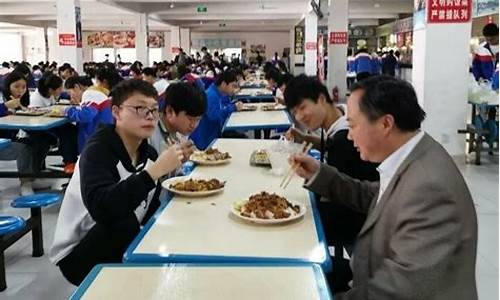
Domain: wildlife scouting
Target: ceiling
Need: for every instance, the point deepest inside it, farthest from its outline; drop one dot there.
(220, 15)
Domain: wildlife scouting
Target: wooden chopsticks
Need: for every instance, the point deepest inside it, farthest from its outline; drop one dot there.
(305, 147)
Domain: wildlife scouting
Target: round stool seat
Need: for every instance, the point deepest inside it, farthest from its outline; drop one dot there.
(36, 200)
(10, 224)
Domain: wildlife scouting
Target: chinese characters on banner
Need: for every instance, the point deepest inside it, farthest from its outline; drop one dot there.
(311, 46)
(449, 11)
(67, 39)
(299, 40)
(338, 38)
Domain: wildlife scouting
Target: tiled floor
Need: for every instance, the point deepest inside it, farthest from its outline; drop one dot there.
(36, 278)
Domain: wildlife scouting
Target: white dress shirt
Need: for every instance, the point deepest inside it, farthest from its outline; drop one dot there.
(390, 165)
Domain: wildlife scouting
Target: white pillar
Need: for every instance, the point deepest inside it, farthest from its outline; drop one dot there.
(311, 43)
(69, 33)
(165, 50)
(185, 34)
(175, 41)
(337, 45)
(141, 39)
(440, 77)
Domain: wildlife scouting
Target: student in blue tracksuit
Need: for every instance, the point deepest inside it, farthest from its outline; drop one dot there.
(95, 105)
(362, 64)
(485, 59)
(219, 108)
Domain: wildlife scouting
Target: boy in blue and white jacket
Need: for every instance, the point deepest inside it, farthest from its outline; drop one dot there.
(485, 60)
(362, 64)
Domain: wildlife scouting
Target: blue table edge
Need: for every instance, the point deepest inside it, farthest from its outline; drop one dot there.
(36, 127)
(321, 283)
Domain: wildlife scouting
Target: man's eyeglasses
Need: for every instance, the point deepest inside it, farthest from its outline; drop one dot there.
(144, 111)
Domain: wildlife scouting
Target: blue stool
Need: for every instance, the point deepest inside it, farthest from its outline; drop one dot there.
(8, 225)
(35, 202)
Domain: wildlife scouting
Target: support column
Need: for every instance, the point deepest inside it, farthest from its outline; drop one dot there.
(441, 77)
(165, 50)
(185, 34)
(141, 39)
(337, 46)
(311, 43)
(175, 41)
(69, 33)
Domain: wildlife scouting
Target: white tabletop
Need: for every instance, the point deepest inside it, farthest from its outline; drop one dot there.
(200, 230)
(259, 119)
(204, 282)
(30, 123)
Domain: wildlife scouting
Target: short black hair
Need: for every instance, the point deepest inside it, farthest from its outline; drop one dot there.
(149, 72)
(71, 82)
(227, 76)
(11, 78)
(49, 81)
(110, 75)
(273, 74)
(490, 29)
(183, 96)
(388, 95)
(125, 89)
(304, 87)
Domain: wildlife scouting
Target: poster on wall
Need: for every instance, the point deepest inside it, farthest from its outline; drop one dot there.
(321, 59)
(299, 40)
(67, 39)
(258, 48)
(485, 7)
(122, 39)
(78, 21)
(156, 40)
(449, 11)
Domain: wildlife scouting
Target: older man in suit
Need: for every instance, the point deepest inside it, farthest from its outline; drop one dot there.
(420, 237)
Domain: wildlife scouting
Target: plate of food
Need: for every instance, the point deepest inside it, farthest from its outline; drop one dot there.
(260, 157)
(273, 106)
(249, 107)
(56, 112)
(211, 156)
(33, 112)
(193, 187)
(267, 208)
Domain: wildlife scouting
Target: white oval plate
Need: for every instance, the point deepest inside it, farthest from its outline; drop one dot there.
(196, 159)
(235, 212)
(166, 185)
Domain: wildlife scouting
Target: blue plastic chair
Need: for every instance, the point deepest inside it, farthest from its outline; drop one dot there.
(35, 203)
(8, 224)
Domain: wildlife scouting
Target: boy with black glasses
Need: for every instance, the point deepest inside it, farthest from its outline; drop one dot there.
(115, 188)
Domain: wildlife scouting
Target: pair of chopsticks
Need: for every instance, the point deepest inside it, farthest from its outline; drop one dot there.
(291, 171)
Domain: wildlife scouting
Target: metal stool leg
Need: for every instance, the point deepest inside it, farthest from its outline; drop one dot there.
(3, 283)
(36, 231)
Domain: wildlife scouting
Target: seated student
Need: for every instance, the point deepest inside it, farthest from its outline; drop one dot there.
(272, 76)
(95, 106)
(30, 151)
(180, 114)
(48, 91)
(161, 85)
(115, 187)
(309, 102)
(219, 108)
(281, 86)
